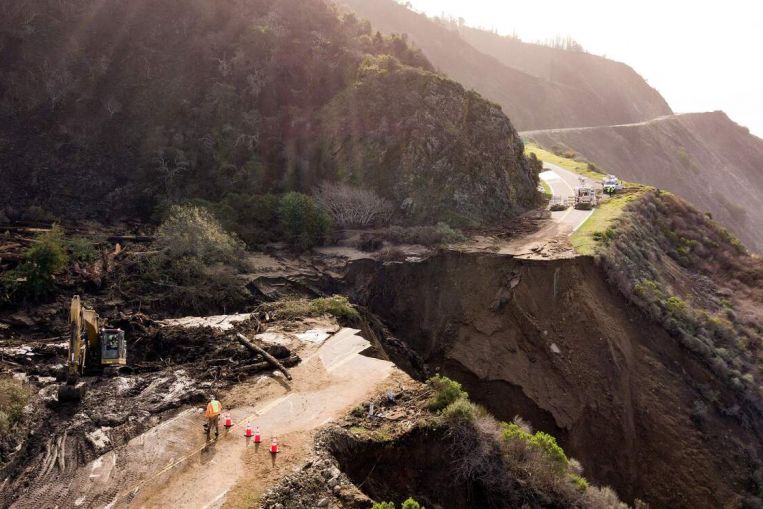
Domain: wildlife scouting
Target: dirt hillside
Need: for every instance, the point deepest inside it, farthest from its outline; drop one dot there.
(538, 87)
(553, 342)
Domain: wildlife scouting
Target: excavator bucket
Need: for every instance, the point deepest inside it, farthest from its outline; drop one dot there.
(70, 392)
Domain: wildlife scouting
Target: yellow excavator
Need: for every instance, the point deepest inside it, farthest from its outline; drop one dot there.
(91, 349)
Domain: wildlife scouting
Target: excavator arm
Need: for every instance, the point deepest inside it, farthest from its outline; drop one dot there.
(83, 328)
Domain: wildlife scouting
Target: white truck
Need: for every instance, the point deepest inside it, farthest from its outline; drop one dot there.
(585, 196)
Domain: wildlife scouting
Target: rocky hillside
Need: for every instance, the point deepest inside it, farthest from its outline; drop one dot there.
(704, 157)
(538, 87)
(108, 109)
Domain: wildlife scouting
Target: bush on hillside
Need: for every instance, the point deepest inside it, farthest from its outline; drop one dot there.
(352, 206)
(536, 164)
(508, 459)
(35, 276)
(446, 391)
(14, 396)
(82, 250)
(687, 273)
(294, 309)
(412, 504)
(253, 217)
(192, 231)
(441, 233)
(460, 410)
(305, 225)
(196, 265)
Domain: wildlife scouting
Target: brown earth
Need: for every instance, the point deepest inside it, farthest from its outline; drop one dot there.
(552, 342)
(537, 87)
(704, 157)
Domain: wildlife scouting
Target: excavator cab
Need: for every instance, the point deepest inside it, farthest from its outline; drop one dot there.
(91, 349)
(113, 347)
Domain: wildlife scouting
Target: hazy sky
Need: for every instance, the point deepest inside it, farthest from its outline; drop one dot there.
(701, 55)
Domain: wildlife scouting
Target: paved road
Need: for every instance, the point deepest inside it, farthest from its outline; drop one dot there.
(562, 183)
(529, 134)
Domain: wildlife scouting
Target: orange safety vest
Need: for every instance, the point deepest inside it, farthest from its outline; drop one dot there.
(214, 408)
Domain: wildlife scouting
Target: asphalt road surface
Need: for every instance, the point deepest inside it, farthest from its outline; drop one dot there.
(562, 183)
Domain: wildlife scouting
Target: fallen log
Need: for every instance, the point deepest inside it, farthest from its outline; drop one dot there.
(131, 238)
(256, 349)
(261, 366)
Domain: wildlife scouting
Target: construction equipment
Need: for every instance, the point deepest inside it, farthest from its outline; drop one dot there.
(91, 349)
(611, 185)
(585, 196)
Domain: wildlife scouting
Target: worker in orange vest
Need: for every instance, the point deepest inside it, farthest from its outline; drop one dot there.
(214, 408)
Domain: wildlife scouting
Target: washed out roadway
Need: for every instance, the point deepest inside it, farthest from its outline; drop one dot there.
(171, 465)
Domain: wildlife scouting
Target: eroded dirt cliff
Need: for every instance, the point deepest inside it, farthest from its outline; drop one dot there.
(553, 342)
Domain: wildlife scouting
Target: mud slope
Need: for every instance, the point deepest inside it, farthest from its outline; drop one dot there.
(537, 87)
(704, 157)
(551, 342)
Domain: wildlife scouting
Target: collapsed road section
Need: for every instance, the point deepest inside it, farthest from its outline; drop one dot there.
(136, 439)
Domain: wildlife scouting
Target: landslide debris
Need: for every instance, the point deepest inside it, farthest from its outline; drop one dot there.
(395, 447)
(170, 367)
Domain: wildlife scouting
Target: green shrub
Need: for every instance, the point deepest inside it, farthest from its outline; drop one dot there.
(336, 305)
(82, 250)
(305, 224)
(541, 441)
(446, 391)
(441, 233)
(253, 217)
(13, 398)
(35, 275)
(535, 164)
(383, 505)
(461, 410)
(606, 236)
(193, 231)
(547, 444)
(196, 265)
(579, 482)
(411, 504)
(676, 306)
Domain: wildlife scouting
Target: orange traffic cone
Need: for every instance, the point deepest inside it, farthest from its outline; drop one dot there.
(257, 436)
(274, 445)
(228, 421)
(248, 432)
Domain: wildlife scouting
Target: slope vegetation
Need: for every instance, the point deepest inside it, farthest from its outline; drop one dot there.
(108, 108)
(537, 87)
(704, 157)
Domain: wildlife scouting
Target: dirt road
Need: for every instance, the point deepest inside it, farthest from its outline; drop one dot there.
(172, 466)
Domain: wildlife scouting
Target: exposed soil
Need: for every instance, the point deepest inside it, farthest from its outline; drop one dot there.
(552, 342)
(170, 368)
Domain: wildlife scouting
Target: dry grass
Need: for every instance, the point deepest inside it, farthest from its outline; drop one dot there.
(336, 305)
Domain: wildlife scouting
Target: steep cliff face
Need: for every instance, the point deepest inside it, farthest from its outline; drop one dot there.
(537, 87)
(704, 157)
(411, 133)
(107, 108)
(554, 343)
